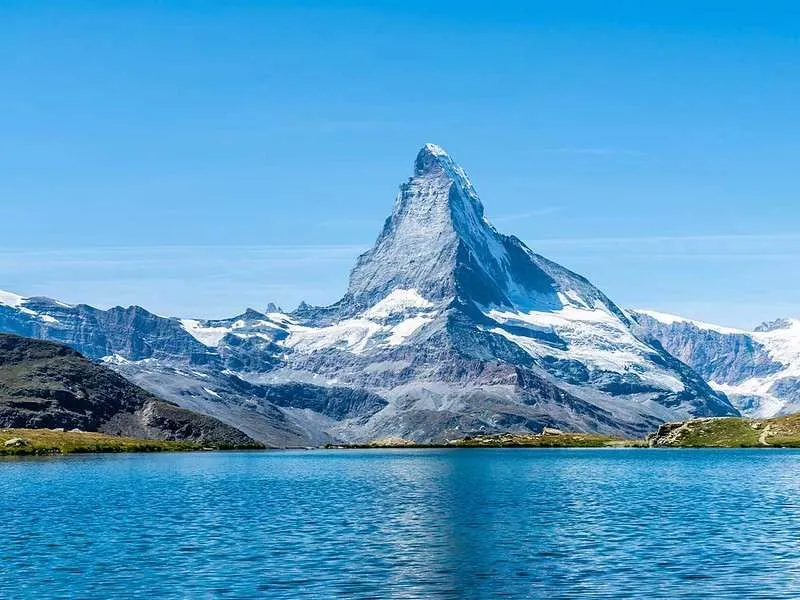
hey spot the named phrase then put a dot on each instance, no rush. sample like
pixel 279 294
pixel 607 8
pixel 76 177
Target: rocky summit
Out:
pixel 448 328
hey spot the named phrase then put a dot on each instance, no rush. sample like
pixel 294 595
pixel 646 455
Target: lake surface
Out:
pixel 403 524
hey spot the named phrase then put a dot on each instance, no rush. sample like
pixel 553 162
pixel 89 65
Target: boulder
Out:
pixel 17 442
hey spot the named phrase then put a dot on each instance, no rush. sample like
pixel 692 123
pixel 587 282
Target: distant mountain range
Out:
pixel 448 328
pixel 759 370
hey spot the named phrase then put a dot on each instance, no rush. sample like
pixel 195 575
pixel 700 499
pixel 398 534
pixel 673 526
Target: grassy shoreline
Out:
pixel 505 440
pixel 715 432
pixel 730 432
pixel 50 442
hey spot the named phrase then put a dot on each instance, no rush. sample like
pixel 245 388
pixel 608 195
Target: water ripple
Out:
pixel 403 524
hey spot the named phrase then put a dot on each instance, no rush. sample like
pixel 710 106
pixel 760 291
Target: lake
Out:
pixel 518 523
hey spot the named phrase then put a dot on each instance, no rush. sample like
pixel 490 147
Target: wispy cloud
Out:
pixel 201 280
pixel 352 223
pixel 201 256
pixel 539 212
pixel 724 237
pixel 711 248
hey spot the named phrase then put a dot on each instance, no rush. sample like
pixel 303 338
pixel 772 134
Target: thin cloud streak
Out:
pixel 734 237
pixel 542 212
pixel 163 256
pixel 691 257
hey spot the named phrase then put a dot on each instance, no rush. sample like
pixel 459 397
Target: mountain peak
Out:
pixel 434 149
pixel 438 243
pixel 430 158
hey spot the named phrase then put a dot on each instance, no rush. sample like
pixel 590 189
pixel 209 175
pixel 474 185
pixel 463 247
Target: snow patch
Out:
pixel 208 336
pixel 403 330
pixel 115 359
pixel 594 336
pixel 11 299
pixel 782 344
pixel 352 335
pixel 398 301
pixel 281 318
pixel 668 319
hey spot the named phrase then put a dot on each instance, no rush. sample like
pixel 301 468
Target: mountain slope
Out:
pixel 758 370
pixel 447 328
pixel 47 385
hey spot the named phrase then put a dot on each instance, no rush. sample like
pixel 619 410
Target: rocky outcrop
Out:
pixel 48 385
pixel 731 432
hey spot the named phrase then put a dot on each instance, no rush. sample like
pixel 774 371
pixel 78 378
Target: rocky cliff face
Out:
pixel 758 370
pixel 47 385
pixel 448 328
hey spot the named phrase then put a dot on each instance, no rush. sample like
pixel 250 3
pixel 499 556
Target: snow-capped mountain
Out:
pixel 758 370
pixel 447 328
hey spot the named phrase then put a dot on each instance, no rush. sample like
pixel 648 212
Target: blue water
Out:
pixel 403 524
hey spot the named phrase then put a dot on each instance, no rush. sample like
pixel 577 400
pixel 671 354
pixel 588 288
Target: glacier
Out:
pixel 758 370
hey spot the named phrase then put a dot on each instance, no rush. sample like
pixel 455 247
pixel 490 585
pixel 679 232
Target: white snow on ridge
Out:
pixel 11 299
pixel 594 336
pixel 567 316
pixel 406 328
pixel 398 301
pixel 16 301
pixel 211 335
pixel 208 336
pixel 351 335
pixel 769 405
pixel 668 319
pixel 435 150
pixel 782 344
pixel 281 318
pixel 358 334
pixel 115 359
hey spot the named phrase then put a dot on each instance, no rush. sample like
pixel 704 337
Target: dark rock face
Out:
pixel 714 355
pixel 132 332
pixel 47 385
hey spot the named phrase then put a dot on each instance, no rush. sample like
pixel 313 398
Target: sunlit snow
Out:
pixel 594 336
pixel 11 299
pixel 208 336
pixel 669 319
pixel 398 301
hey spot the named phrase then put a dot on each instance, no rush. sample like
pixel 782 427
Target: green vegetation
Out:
pixel 548 439
pixel 730 432
pixel 543 440
pixel 48 442
pixel 784 431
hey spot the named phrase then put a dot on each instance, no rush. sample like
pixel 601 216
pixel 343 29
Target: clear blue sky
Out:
pixel 201 157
